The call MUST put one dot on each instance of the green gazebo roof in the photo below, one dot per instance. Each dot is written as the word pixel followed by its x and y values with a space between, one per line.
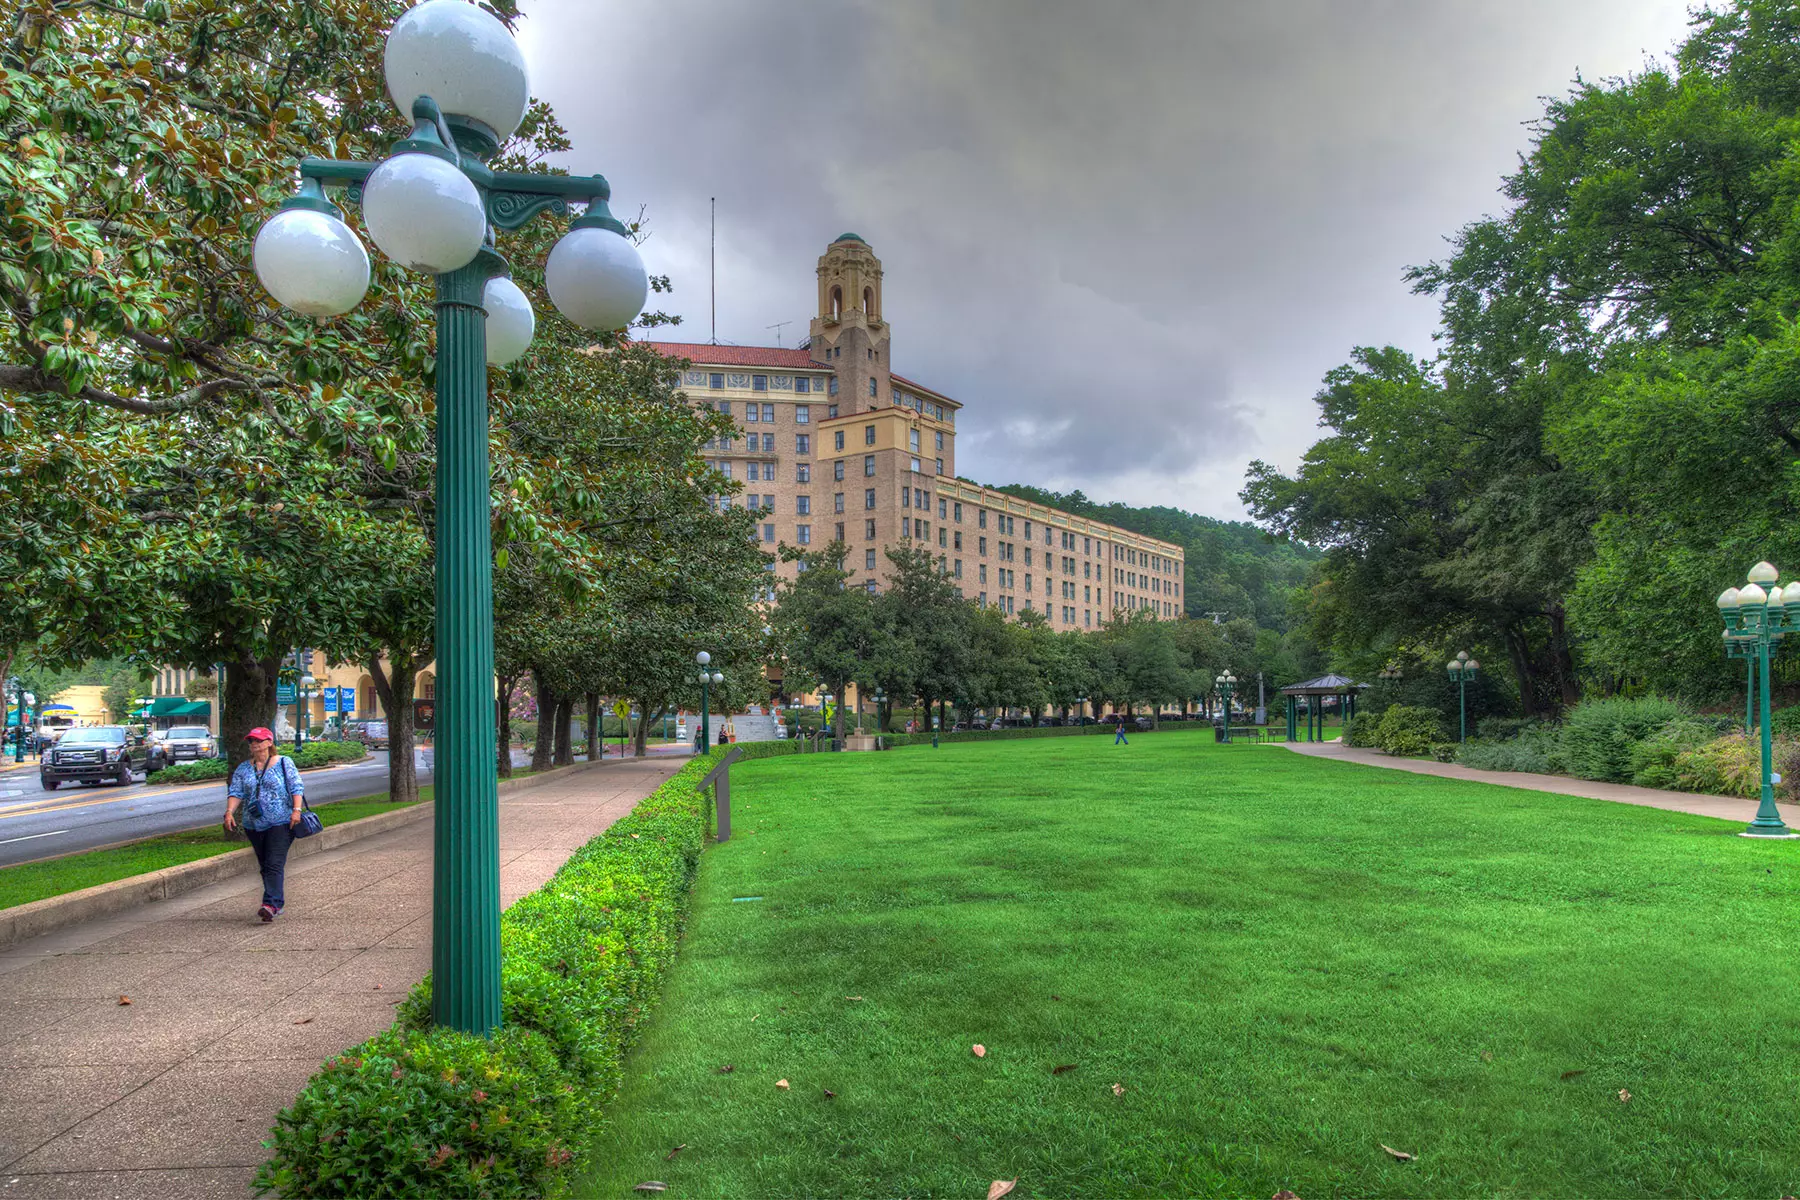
pixel 849 237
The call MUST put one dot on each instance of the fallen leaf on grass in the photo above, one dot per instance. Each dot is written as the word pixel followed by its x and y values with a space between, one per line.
pixel 1000 1187
pixel 853 997
pixel 1055 997
pixel 979 1050
pixel 727 1069
pixel 830 1095
pixel 1573 1074
pixel 782 1084
pixel 753 1016
pixel 1399 1155
pixel 1487 1056
pixel 124 999
pixel 634 835
pixel 1284 1194
pixel 674 1152
pixel 1118 1089
pixel 1064 1067
pixel 651 1185
pixel 304 1021
pixel 1624 1096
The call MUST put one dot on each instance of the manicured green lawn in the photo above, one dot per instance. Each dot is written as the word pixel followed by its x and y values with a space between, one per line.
pixel 52 877
pixel 1284 963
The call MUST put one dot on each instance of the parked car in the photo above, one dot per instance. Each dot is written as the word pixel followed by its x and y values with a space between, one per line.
pixel 374 735
pixel 97 753
pixel 1145 724
pixel 185 743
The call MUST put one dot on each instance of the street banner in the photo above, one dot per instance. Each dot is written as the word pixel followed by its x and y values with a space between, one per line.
pixel 330 695
pixel 286 693
pixel 346 700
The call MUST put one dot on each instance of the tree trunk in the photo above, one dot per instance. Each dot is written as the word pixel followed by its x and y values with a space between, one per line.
pixel 503 728
pixel 396 692
pixel 1519 651
pixel 1568 683
pixel 248 701
pixel 545 745
pixel 651 711
pixel 596 738
pixel 565 717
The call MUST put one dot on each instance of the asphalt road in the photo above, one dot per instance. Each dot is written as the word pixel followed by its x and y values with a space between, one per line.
pixel 35 823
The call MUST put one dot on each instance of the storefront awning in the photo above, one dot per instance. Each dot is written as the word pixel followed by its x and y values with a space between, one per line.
pixel 164 706
pixel 197 710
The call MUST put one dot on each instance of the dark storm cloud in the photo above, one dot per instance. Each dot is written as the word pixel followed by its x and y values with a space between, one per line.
pixel 1129 237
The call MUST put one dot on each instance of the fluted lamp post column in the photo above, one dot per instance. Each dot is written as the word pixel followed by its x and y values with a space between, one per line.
pixel 1757 617
pixel 707 679
pixel 1462 670
pixel 433 205
pixel 1224 682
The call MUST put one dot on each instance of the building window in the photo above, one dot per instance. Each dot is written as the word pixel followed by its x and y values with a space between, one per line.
pixel 940 466
pixel 803 385
pixel 769 503
pixel 983 546
pixel 869 587
pixel 768 533
pixel 769 414
pixel 868 464
pixel 1028 556
pixel 803 505
pixel 833 390
pixel 915 464
pixel 759 383
pixel 981 572
pixel 905 497
pixel 868 435
pixel 939 436
pixel 750 412
pixel 840 531
pixel 869 529
pixel 837 470
pixel 752 470
pixel 1028 583
pixel 958 510
pixel 803 473
pixel 1086 546
pixel 956 568
pixel 869 499
pixel 943 508
pixel 912 440
pixel 943 538
pixel 725 407
pixel 1087 570
pixel 838 439
pixel 802 443
pixel 981 520
pixel 803 412
pixel 868 560
pixel 837 502
pixel 981 599
pixel 871 387
pixel 803 534
pixel 958 545
pixel 831 409
pixel 1028 531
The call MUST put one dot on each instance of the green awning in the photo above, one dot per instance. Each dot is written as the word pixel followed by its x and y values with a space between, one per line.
pixel 199 710
pixel 165 706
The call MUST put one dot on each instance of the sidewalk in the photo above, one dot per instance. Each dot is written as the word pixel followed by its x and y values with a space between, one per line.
pixel 171 1095
pixel 1726 808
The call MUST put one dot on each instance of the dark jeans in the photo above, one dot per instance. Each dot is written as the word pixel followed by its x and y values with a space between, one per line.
pixel 1120 737
pixel 271 846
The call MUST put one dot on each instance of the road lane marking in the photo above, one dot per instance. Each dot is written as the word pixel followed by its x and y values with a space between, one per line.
pixel 29 836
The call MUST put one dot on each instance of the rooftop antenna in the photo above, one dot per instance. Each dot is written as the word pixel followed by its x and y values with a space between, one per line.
pixel 777 328
pixel 715 270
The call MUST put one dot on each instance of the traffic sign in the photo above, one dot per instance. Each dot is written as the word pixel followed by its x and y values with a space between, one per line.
pixel 286 693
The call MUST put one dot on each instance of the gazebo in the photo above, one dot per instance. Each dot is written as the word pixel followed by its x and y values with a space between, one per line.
pixel 1325 685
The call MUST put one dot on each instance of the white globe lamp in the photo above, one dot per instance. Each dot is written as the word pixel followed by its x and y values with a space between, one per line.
pixel 596 277
pixel 311 262
pixel 424 213
pixel 510 321
pixel 462 57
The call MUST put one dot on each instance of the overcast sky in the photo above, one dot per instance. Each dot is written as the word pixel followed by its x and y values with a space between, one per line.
pixel 1129 236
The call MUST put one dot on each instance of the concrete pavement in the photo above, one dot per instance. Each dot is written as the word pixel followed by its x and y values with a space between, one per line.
pixel 1726 808
pixel 172 1094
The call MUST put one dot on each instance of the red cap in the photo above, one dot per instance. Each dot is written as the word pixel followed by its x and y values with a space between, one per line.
pixel 259 734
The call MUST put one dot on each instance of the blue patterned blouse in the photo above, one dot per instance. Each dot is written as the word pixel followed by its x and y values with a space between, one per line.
pixel 267 796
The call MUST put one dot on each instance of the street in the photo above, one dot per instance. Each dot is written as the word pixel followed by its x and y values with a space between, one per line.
pixel 35 823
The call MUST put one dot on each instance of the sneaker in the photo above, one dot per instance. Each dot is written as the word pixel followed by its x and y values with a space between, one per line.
pixel 266 912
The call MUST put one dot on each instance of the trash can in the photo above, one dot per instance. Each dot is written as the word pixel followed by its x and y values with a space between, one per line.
pixel 1218 732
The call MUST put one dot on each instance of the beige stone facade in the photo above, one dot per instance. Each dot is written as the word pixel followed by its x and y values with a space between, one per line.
pixel 833 445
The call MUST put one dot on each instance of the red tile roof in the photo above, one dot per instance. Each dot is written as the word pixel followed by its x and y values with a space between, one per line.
pixel 704 354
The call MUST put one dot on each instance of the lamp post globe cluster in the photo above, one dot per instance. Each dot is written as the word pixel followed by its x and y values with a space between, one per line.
pixel 1224 683
pixel 1462 670
pixel 706 678
pixel 880 698
pixel 23 700
pixel 1757 617
pixel 434 205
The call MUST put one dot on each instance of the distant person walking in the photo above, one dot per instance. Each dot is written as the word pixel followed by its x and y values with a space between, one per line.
pixel 266 798
pixel 1120 735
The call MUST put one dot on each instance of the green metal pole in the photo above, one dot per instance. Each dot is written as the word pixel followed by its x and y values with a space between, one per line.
pixel 1768 821
pixel 1749 695
pixel 465 927
pixel 1462 706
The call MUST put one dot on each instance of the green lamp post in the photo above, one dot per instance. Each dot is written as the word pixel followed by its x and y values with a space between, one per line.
pixel 707 679
pixel 1756 620
pixel 433 206
pixel 23 699
pixel 880 698
pixel 1224 683
pixel 1462 670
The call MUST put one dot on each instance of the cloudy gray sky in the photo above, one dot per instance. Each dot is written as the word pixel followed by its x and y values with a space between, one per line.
pixel 1129 236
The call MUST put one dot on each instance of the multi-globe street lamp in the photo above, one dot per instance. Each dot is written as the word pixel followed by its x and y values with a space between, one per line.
pixel 24 700
pixel 1224 682
pixel 707 679
pixel 1081 712
pixel 433 205
pixel 1757 617
pixel 880 698
pixel 1462 670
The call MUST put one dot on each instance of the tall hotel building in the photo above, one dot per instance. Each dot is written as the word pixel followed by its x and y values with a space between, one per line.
pixel 834 445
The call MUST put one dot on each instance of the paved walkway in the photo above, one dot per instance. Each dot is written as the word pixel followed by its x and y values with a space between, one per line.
pixel 171 1095
pixel 1728 808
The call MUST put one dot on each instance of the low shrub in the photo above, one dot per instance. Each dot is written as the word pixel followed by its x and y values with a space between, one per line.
pixel 1501 729
pixel 1653 760
pixel 198 771
pixel 1727 766
pixel 418 1110
pixel 322 754
pixel 1409 731
pixel 1598 735
pixel 1359 730
pixel 1444 752
pixel 1784 722
pixel 1536 750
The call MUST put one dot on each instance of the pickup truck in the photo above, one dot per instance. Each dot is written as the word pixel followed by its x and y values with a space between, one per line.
pixel 97 753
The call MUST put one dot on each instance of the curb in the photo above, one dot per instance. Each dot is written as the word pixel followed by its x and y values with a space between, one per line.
pixel 24 921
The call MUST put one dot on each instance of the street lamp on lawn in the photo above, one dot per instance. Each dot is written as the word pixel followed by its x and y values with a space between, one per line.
pixel 1755 622
pixel 707 679
pixel 24 700
pixel 1081 715
pixel 433 206
pixel 1462 670
pixel 1225 681
pixel 879 697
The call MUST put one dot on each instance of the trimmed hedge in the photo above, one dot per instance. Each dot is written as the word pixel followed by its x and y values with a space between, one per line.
pixel 418 1110
pixel 1598 735
pixel 1409 731
pixel 313 754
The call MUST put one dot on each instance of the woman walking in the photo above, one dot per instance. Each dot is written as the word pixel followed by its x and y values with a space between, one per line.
pixel 266 798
